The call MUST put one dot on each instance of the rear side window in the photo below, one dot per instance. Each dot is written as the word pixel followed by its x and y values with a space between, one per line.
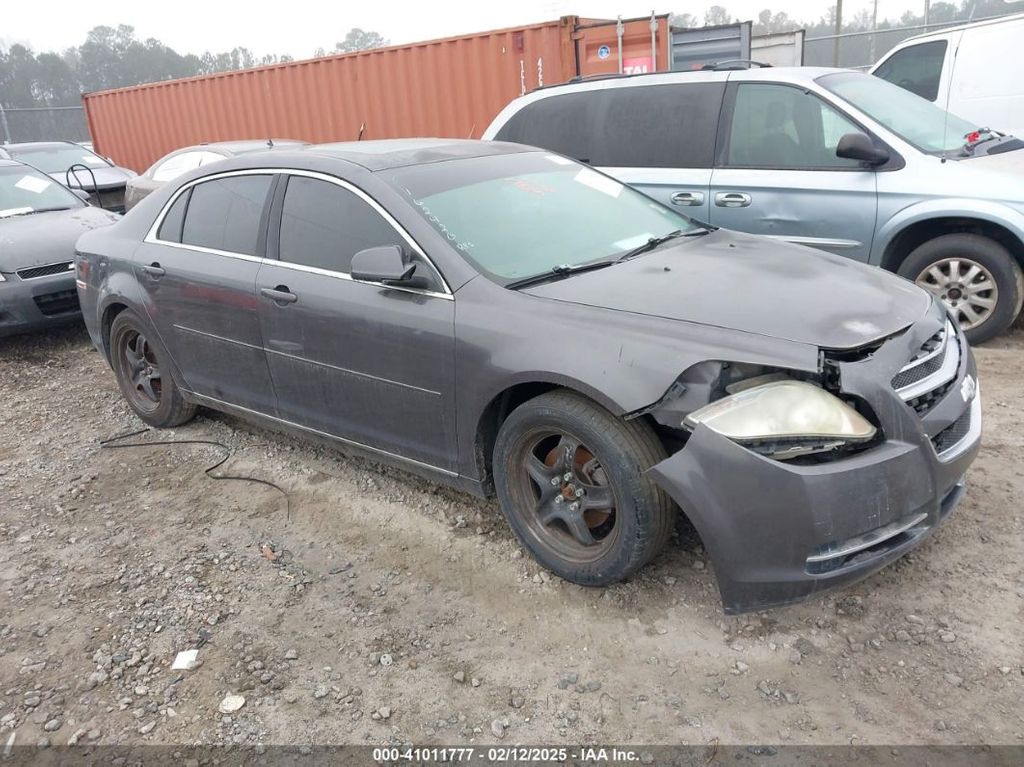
pixel 170 227
pixel 652 126
pixel 324 225
pixel 224 214
pixel 916 68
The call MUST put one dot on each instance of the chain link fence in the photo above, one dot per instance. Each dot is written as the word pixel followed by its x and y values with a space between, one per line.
pixel 860 50
pixel 43 124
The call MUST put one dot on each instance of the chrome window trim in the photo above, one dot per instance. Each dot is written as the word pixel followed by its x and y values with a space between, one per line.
pixel 379 451
pixel 152 238
pixel 946 373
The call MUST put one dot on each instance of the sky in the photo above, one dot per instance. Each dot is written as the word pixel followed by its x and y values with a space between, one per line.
pixel 194 26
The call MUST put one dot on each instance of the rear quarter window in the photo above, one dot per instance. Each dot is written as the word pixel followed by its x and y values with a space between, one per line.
pixel 652 126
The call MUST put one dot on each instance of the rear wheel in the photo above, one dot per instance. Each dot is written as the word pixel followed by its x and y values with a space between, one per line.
pixel 569 476
pixel 139 362
pixel 977 278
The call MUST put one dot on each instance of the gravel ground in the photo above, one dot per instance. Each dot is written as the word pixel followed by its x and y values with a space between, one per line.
pixel 380 609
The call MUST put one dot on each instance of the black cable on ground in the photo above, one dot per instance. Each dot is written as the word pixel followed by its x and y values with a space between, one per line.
pixel 114 443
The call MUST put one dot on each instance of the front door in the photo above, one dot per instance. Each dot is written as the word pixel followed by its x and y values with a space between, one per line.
pixel 778 173
pixel 198 272
pixel 365 362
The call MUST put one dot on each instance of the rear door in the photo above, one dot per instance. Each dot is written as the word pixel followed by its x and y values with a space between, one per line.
pixel 778 174
pixel 659 138
pixel 198 269
pixel 369 363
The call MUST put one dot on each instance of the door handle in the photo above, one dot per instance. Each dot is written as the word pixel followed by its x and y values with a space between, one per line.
pixel 279 295
pixel 687 198
pixel 154 270
pixel 732 199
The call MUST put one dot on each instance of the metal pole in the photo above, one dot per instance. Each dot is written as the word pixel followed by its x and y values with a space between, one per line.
pixel 6 127
pixel 839 30
pixel 874 31
pixel 654 42
pixel 927 11
pixel 619 32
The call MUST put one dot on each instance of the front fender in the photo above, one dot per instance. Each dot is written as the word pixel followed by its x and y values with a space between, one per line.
pixel 984 210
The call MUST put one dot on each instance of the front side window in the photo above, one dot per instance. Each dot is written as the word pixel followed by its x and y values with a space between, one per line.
pixel 25 190
pixel 224 214
pixel 917 121
pixel 519 215
pixel 324 225
pixel 777 126
pixel 916 68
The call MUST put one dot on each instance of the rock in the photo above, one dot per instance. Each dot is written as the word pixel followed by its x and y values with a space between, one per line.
pixel 795 656
pixel 320 691
pixel 459 676
pixel 141 689
pixel 742 667
pixel 385 712
pixel 73 740
pixel 147 727
pixel 54 724
pixel 593 686
pixel 804 646
pixel 231 704
pixel 291 655
pixel 902 636
pixel 567 680
pixel 498 728
pixel 475 682
pixel 698 564
pixel 948 637
pixel 915 619
pixel 1004 670
pixel 954 679
pixel 851 605
pixel 31 700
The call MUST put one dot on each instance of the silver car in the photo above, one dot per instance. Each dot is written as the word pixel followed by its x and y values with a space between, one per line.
pixel 830 158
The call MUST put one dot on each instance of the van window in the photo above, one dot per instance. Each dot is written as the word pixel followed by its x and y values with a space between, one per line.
pixel 917 68
pixel 777 126
pixel 651 126
pixel 224 214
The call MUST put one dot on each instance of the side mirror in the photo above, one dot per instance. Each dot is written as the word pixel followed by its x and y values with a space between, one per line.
pixel 81 194
pixel 857 146
pixel 382 264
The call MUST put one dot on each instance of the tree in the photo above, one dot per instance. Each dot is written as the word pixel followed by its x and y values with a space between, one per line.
pixel 716 16
pixel 360 40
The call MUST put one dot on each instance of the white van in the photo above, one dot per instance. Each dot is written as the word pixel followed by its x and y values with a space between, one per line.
pixel 972 71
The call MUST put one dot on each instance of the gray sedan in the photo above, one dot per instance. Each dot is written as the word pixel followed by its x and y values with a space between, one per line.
pixel 507 320
pixel 39 223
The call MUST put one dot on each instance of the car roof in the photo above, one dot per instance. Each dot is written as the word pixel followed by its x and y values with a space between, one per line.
pixel 11 163
pixel 241 146
pixel 39 144
pixel 396 153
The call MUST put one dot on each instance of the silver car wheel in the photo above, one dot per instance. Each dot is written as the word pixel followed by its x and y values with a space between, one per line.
pixel 965 286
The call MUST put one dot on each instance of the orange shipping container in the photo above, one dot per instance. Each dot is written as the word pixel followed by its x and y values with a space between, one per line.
pixel 452 87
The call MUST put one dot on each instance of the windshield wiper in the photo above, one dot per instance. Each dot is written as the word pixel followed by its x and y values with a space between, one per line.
pixel 557 272
pixel 655 242
pixel 35 210
pixel 983 135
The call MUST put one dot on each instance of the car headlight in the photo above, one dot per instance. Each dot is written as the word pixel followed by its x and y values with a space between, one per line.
pixel 784 419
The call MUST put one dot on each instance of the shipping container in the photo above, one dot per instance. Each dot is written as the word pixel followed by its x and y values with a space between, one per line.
pixel 451 88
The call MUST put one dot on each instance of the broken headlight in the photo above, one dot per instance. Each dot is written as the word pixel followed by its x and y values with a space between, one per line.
pixel 784 419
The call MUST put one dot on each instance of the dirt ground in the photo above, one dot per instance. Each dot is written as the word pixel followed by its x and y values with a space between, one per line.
pixel 386 610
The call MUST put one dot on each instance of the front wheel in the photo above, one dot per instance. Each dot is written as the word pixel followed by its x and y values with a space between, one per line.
pixel 570 479
pixel 977 278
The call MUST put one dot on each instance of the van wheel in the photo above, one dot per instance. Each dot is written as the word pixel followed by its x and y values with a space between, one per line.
pixel 140 366
pixel 570 479
pixel 977 278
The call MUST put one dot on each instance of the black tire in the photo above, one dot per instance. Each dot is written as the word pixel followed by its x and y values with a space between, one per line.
pixel 140 366
pixel 608 457
pixel 930 266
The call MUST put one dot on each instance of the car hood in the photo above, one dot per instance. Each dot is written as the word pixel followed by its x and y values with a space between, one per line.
pixel 106 177
pixel 46 238
pixel 754 285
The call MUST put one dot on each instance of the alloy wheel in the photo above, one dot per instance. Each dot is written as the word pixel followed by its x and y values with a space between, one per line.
pixel 142 370
pixel 965 286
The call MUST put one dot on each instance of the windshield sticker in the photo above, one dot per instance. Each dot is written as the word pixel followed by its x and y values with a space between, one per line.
pixel 530 187
pixel 92 159
pixel 558 160
pixel 14 211
pixel 33 184
pixel 601 183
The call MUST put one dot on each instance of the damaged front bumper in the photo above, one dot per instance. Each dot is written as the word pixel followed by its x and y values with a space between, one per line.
pixel 779 532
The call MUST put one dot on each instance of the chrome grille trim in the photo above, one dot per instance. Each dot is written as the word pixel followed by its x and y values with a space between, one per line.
pixel 957 449
pixel 45 270
pixel 948 349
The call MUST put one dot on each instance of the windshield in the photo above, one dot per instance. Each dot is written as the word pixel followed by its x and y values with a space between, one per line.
pixel 912 118
pixel 57 158
pixel 24 190
pixel 519 215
